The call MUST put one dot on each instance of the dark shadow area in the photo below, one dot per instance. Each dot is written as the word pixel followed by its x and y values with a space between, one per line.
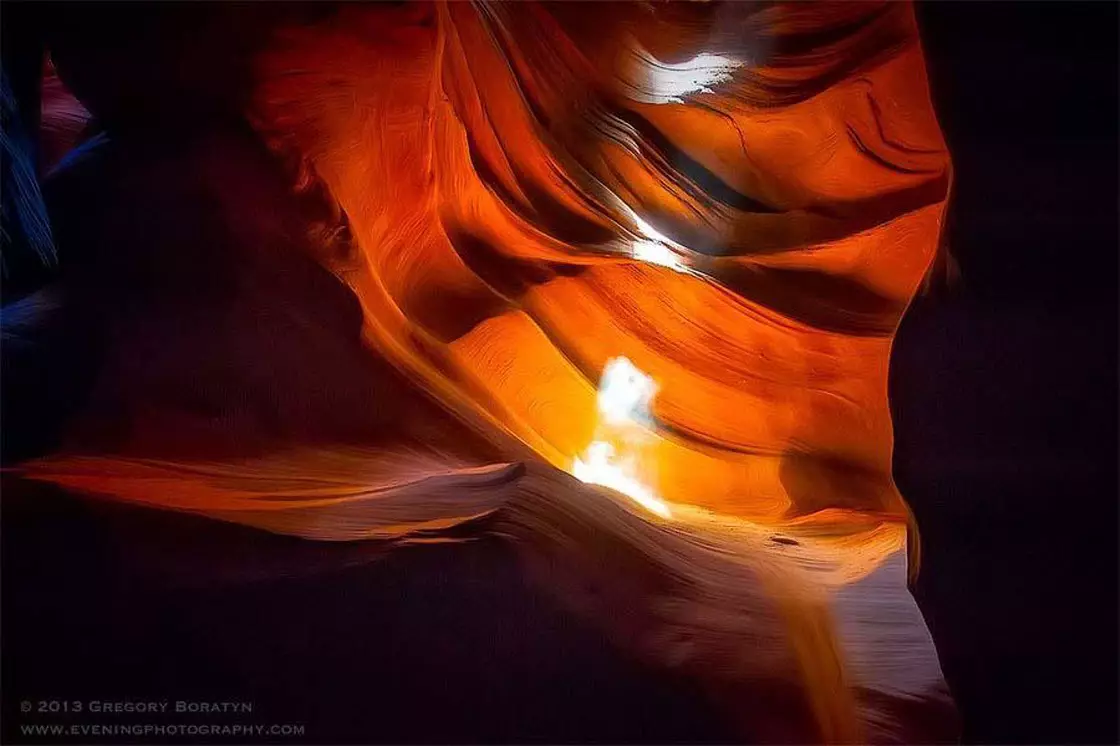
pixel 433 644
pixel 1004 386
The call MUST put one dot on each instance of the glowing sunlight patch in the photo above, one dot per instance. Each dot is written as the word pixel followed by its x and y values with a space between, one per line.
pixel 625 395
pixel 673 82
pixel 655 247
pixel 657 253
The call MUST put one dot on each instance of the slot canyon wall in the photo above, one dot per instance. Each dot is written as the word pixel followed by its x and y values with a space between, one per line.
pixel 353 273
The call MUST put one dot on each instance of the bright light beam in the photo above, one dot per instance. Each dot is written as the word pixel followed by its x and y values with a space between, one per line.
pixel 624 399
